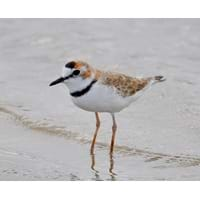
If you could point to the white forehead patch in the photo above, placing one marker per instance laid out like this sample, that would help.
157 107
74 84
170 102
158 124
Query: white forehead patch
66 71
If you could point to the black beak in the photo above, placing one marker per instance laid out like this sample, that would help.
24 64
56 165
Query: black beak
59 80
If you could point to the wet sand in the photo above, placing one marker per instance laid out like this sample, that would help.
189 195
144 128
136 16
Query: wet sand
26 154
45 137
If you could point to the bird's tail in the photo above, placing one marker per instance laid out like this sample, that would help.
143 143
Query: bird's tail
157 79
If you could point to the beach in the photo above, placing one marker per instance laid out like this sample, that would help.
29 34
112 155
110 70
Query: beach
30 155
45 137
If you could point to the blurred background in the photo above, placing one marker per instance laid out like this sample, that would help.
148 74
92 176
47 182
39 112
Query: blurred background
161 127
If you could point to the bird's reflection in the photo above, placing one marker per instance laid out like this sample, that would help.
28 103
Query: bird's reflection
96 172
113 174
111 167
93 163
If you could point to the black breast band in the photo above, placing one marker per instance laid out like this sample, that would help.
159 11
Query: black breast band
83 91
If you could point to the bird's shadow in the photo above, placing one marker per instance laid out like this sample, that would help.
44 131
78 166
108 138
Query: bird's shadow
112 174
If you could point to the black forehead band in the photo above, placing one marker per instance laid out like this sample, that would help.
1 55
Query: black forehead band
70 65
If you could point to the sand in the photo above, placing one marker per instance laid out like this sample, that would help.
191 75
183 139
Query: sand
30 155
45 137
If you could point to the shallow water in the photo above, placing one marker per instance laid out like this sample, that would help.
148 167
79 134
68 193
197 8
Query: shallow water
159 131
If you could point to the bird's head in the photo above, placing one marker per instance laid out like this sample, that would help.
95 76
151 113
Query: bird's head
75 75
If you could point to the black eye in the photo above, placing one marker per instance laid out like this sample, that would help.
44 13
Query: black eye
76 72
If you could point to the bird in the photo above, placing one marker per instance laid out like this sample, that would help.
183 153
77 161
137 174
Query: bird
101 91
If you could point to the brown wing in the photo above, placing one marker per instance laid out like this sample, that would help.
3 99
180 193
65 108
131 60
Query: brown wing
125 85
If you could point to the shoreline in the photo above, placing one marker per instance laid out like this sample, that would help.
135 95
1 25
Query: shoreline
30 155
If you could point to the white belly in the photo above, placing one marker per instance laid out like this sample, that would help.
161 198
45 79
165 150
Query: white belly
102 98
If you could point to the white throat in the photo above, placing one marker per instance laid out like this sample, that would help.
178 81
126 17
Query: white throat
78 84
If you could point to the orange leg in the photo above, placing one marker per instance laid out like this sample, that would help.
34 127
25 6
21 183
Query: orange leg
114 129
95 134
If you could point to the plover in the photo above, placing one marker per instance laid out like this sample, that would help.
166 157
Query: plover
100 91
